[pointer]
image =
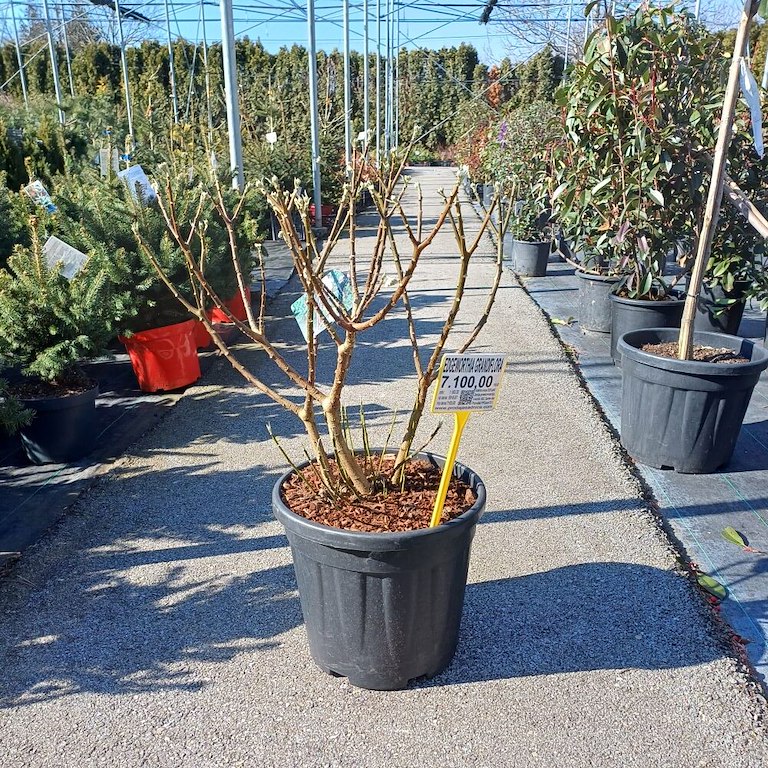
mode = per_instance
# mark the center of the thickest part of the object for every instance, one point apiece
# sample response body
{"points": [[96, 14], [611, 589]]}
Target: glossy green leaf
{"points": [[732, 535], [559, 191], [712, 586], [601, 185], [656, 196]]}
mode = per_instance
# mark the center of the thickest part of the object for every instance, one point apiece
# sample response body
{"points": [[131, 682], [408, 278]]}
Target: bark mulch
{"points": [[391, 507]]}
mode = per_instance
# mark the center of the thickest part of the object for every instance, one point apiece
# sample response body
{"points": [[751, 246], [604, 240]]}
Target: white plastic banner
{"points": [[752, 97]]}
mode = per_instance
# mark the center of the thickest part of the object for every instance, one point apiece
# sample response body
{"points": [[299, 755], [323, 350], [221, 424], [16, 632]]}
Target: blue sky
{"points": [[277, 23]]}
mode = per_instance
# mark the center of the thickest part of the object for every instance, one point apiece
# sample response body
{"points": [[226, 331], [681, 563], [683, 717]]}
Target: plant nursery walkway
{"points": [[159, 625]]}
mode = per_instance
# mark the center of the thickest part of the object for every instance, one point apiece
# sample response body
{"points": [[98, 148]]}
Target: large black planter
{"points": [[63, 429], [382, 608], [529, 259], [595, 301], [685, 414], [712, 316], [633, 314]]}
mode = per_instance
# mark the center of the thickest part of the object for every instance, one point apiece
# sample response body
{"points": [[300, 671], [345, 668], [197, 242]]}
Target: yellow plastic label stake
{"points": [[465, 383], [460, 419]]}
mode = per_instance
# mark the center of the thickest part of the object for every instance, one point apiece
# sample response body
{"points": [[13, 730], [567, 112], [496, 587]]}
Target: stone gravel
{"points": [[159, 624]]}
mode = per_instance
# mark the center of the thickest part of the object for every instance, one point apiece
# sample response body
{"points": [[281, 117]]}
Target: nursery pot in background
{"points": [[201, 336], [164, 358], [63, 428], [713, 316], [235, 305], [594, 301], [685, 414], [529, 259], [633, 314], [382, 608]]}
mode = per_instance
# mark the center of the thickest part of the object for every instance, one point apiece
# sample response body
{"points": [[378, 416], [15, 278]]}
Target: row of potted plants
{"points": [[621, 173], [54, 315], [618, 170], [367, 531]]}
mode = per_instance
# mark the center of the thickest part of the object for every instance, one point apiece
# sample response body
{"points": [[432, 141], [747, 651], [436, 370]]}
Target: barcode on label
{"points": [[466, 397]]}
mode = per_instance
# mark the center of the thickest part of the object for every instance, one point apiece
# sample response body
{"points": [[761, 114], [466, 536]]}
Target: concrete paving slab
{"points": [[160, 625]]}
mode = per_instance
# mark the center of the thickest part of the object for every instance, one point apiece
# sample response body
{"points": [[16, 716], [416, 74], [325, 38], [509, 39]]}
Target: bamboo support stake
{"points": [[715, 194]]}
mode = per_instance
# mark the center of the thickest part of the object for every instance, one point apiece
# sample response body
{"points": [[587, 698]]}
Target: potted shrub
{"points": [[49, 324], [381, 590], [737, 249], [517, 158], [684, 394], [161, 339], [638, 119]]}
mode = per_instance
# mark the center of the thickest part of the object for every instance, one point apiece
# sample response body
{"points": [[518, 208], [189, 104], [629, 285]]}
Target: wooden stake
{"points": [[715, 194]]}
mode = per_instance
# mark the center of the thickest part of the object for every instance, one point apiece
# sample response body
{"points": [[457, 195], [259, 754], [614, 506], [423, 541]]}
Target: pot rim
{"points": [[757, 362], [166, 329], [66, 400], [367, 541], [674, 300], [585, 275]]}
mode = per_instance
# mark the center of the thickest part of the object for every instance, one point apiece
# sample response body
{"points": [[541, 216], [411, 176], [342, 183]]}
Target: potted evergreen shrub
{"points": [[49, 324], [737, 249], [381, 590], [639, 120], [685, 394], [102, 216], [517, 158]]}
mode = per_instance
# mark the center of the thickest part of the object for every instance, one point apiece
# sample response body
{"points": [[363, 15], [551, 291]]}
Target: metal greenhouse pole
{"points": [[366, 72], [388, 83], [171, 67], [378, 82], [567, 38], [22, 73], [124, 66], [313, 115], [67, 55], [54, 61], [207, 76], [347, 89], [396, 87], [230, 92]]}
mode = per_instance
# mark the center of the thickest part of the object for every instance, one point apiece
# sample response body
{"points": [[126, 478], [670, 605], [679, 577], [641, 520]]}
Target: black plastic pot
{"points": [[382, 608], [595, 301], [712, 316], [529, 259], [63, 429], [685, 414], [633, 314]]}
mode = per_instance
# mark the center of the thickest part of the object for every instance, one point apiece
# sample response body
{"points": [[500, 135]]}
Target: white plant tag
{"points": [[58, 252], [135, 178], [752, 97], [338, 286], [39, 195]]}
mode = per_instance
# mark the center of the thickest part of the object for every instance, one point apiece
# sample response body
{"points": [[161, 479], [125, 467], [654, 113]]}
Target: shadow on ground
{"points": [[99, 627], [576, 619]]}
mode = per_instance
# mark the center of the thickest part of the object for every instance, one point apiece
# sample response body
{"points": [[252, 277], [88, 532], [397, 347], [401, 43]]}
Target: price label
{"points": [[468, 382]]}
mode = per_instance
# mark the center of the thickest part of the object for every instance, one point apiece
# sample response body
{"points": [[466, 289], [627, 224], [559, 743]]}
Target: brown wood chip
{"points": [[390, 509]]}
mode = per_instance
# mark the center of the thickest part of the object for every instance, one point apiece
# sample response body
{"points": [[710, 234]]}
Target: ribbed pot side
{"points": [[634, 314], [63, 428], [530, 259], [382, 608], [595, 301], [685, 414]]}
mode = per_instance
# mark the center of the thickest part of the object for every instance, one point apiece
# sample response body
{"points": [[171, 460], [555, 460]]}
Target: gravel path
{"points": [[159, 624]]}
